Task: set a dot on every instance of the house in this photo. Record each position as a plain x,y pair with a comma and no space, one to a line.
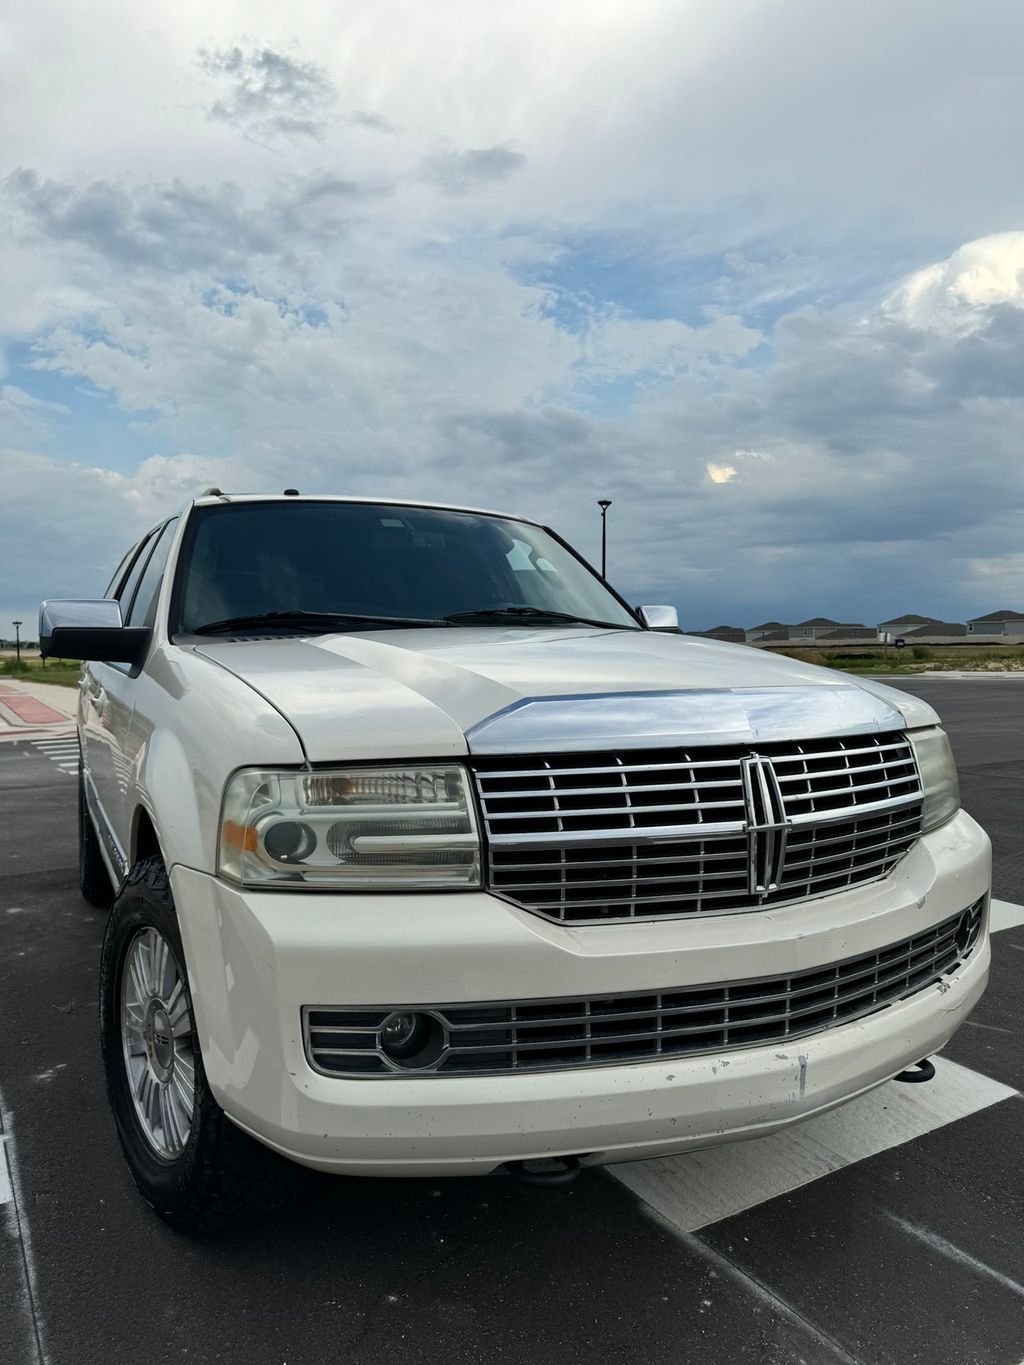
850,635
900,625
997,623
816,633
935,633
733,635
765,628
819,626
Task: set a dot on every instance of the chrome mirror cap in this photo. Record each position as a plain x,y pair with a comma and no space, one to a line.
659,618
79,613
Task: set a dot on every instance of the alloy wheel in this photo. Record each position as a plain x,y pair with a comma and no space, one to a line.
158,1041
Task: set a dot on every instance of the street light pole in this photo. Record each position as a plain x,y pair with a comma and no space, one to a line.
604,504
17,639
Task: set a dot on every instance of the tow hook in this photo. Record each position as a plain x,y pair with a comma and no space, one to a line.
917,1074
550,1171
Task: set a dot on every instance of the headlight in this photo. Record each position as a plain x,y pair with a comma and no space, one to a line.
383,828
938,777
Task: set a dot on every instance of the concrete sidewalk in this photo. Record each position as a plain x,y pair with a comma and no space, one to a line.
31,708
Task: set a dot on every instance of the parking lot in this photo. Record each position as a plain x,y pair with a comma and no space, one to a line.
890,1231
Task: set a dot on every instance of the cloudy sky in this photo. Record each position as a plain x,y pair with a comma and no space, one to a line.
754,271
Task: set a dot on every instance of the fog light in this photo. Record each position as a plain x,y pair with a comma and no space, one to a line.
289,841
411,1039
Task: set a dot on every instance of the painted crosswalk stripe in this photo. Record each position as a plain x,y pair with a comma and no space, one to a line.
62,752
697,1188
1005,916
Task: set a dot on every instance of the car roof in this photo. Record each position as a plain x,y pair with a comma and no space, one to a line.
211,499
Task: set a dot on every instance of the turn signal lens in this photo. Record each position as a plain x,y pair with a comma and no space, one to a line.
937,769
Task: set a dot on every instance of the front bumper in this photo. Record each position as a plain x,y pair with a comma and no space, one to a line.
255,959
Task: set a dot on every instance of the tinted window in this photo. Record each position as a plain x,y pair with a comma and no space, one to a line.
124,594
250,558
119,572
143,608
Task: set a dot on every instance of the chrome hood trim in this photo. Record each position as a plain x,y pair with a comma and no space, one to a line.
646,720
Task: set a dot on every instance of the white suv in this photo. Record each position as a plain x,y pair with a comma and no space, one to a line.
430,856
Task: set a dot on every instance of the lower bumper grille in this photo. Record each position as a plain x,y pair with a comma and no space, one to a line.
562,1034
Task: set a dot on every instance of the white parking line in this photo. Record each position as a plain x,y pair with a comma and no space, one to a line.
6,1188
12,1197
957,1254
697,1188
1005,915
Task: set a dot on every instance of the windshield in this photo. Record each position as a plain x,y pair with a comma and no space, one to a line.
374,560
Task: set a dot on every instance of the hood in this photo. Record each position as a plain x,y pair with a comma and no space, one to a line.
445,692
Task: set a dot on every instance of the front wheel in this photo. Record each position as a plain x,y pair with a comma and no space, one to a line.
190,1163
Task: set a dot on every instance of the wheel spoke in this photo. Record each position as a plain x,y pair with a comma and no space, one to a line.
137,973
143,1084
169,1119
155,1117
156,965
150,942
186,1093
174,999
163,963
181,1114
180,1016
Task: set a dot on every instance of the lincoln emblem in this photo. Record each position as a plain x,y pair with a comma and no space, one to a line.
767,825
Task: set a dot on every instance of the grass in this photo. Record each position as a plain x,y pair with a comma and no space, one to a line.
918,659
63,672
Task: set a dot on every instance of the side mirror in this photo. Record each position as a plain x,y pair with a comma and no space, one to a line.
659,618
91,629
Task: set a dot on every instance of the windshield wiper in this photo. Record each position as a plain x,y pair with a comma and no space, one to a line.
484,614
300,619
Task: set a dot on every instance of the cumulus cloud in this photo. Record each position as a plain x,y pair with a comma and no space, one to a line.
957,295
271,96
721,473
182,226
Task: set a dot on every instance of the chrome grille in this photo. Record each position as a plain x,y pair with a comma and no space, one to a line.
638,835
534,1035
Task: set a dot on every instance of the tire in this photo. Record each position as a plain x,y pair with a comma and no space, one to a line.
93,877
213,1174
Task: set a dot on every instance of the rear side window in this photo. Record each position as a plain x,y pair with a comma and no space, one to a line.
127,589
143,607
119,572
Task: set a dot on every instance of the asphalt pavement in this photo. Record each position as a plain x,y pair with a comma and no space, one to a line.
891,1232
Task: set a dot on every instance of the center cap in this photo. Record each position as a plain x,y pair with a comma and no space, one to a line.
159,1041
